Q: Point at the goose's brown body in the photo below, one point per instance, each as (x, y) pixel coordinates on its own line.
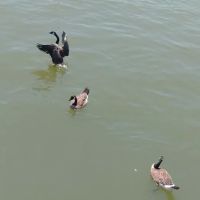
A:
(161, 176)
(79, 101)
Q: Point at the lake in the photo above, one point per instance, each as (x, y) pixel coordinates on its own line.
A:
(140, 60)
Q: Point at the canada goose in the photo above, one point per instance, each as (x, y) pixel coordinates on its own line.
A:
(56, 51)
(161, 176)
(80, 100)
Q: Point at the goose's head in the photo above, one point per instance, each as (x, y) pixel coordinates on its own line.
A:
(157, 165)
(73, 100)
(52, 32)
(161, 158)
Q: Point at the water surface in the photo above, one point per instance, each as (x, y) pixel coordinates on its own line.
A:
(141, 61)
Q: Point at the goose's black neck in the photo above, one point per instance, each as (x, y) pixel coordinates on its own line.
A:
(75, 101)
(157, 165)
(55, 34)
(57, 41)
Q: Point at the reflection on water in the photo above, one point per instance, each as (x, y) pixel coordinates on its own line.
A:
(71, 111)
(48, 76)
(169, 195)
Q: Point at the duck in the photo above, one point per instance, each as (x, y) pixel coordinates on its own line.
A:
(161, 177)
(56, 51)
(79, 101)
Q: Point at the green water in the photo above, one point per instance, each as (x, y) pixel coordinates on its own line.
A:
(140, 60)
